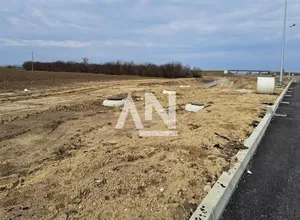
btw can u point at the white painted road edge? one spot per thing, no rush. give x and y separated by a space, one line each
213 205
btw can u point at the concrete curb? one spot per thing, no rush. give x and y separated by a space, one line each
213 205
209 85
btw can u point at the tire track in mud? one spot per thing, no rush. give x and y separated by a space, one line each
65 144
91 105
13 135
11 130
24 96
14 174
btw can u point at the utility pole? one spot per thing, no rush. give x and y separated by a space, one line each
32 61
283 45
290 57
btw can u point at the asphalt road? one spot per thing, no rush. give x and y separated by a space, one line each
272 192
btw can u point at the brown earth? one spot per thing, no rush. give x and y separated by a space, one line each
18 79
62 158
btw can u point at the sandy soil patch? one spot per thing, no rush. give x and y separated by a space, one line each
62 158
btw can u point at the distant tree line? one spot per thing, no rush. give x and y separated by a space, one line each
169 70
13 66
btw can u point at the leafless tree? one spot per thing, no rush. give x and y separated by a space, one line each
85 60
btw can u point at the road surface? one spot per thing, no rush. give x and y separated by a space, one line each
272 192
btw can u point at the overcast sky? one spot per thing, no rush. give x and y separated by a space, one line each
210 34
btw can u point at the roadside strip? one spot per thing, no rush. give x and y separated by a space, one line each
213 205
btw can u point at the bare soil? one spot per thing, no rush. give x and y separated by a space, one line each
18 79
62 158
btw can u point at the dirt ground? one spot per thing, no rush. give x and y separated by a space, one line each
62 158
18 79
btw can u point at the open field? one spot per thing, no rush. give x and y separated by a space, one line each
18 79
62 158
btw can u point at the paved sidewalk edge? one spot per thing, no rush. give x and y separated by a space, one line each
213 205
